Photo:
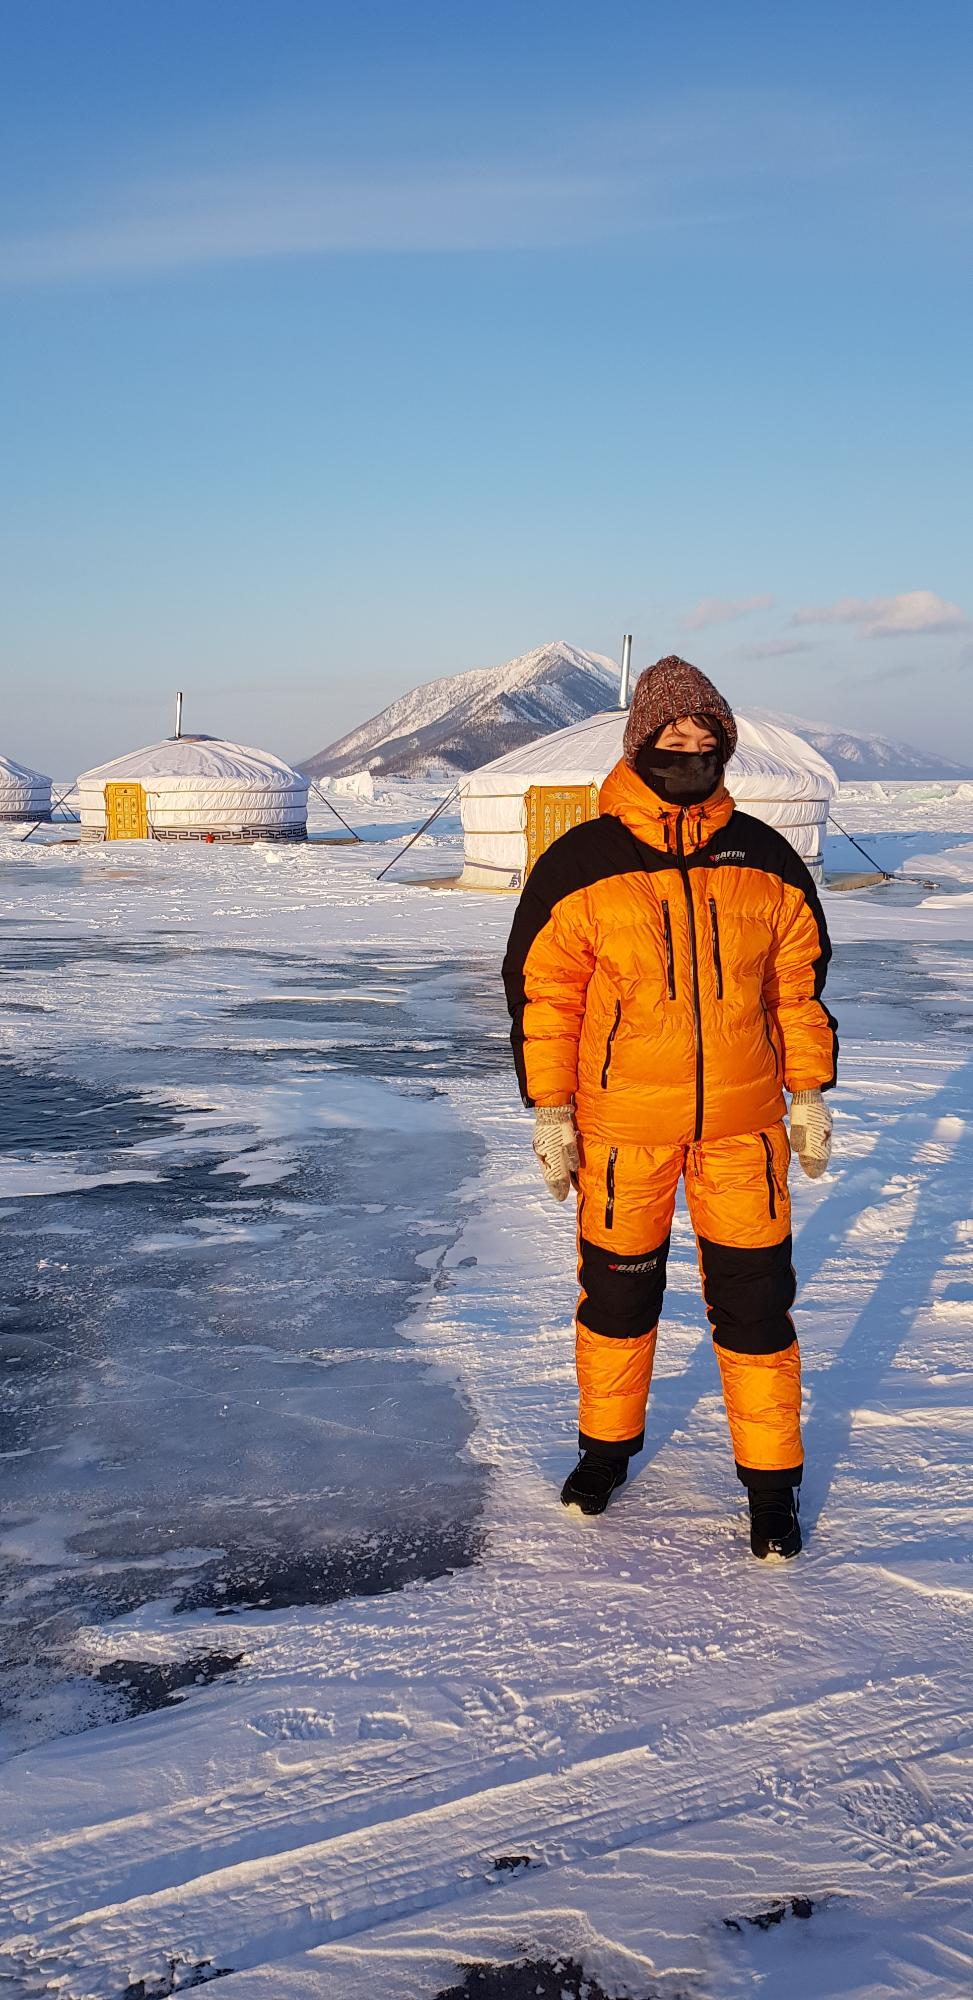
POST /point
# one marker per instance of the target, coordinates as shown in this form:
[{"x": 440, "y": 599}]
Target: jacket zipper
[
  {"x": 717, "y": 961},
  {"x": 612, "y": 1032},
  {"x": 610, "y": 1189},
  {"x": 770, "y": 1039},
  {"x": 670, "y": 955},
  {"x": 771, "y": 1183},
  {"x": 694, "y": 968}
]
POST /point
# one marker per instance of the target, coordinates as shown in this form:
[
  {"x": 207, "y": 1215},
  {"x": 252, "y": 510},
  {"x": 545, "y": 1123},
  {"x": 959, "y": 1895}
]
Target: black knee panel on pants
[
  {"x": 622, "y": 1295},
  {"x": 749, "y": 1294}
]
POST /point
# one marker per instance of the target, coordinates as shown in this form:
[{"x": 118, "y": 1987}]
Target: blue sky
[{"x": 347, "y": 345}]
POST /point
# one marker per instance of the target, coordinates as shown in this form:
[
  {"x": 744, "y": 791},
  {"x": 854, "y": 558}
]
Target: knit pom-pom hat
[{"x": 663, "y": 693}]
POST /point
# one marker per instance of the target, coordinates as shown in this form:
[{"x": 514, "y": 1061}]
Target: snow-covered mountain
[
  {"x": 853, "y": 755},
  {"x": 463, "y": 720}
]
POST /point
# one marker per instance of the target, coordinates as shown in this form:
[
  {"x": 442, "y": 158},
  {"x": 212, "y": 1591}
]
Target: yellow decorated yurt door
[
  {"x": 126, "y": 817},
  {"x": 551, "y": 809}
]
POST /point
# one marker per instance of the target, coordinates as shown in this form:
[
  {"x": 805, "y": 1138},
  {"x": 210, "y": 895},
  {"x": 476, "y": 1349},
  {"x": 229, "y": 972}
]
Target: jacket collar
[{"x": 627, "y": 798}]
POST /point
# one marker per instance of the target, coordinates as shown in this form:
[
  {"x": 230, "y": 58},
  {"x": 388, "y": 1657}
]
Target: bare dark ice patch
[{"x": 205, "y": 1398}]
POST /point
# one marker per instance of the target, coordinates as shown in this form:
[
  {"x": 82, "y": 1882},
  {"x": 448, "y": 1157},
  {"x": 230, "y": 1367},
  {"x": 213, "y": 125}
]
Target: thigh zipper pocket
[
  {"x": 610, "y": 1189},
  {"x": 771, "y": 1183}
]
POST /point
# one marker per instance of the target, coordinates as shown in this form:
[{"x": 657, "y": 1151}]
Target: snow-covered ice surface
[{"x": 287, "y": 1320}]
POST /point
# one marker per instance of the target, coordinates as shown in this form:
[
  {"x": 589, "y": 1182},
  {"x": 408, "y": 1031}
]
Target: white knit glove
[
  {"x": 556, "y": 1145},
  {"x": 811, "y": 1131}
]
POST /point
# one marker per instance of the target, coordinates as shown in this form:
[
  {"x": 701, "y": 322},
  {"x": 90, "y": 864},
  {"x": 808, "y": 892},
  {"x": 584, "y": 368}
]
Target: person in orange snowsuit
[{"x": 664, "y": 976}]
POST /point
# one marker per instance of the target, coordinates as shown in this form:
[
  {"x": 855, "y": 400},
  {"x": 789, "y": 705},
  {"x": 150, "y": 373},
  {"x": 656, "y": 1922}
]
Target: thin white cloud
[
  {"x": 774, "y": 649},
  {"x": 908, "y": 615},
  {"x": 720, "y": 610},
  {"x": 291, "y": 213},
  {"x": 636, "y": 177},
  {"x": 283, "y": 180}
]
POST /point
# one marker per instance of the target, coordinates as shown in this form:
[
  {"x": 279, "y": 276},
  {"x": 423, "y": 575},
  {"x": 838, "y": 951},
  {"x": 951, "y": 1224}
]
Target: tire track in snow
[
  {"x": 269, "y": 1907},
  {"x": 136, "y": 1852},
  {"x": 143, "y": 1852}
]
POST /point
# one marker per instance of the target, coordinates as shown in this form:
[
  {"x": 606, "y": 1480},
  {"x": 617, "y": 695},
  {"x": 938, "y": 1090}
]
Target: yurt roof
[
  {"x": 769, "y": 762},
  {"x": 185, "y": 762},
  {"x": 20, "y": 774}
]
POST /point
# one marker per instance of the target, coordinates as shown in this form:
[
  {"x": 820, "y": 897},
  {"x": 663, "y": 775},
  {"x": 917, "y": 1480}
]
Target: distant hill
[
  {"x": 855, "y": 756},
  {"x": 462, "y": 721}
]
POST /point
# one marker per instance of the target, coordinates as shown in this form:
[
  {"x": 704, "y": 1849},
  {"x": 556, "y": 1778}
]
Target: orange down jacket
[{"x": 665, "y": 968}]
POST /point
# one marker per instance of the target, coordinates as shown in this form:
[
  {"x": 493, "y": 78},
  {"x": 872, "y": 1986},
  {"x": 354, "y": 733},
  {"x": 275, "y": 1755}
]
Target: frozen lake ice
[{"x": 207, "y": 1398}]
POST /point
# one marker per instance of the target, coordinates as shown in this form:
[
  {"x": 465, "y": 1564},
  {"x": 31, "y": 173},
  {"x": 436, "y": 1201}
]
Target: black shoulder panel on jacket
[
  {"x": 750, "y": 843},
  {"x": 577, "y": 860}
]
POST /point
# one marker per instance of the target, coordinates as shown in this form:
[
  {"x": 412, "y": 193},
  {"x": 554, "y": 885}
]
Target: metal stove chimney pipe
[
  {"x": 623, "y": 685},
  {"x": 178, "y": 715}
]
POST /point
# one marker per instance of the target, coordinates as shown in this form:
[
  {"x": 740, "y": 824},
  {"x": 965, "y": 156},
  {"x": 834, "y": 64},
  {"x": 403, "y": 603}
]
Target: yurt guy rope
[
  {"x": 314, "y": 787},
  {"x": 420, "y": 829},
  {"x": 886, "y": 877},
  {"x": 59, "y": 801}
]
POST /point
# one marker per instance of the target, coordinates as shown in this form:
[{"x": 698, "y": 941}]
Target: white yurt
[
  {"x": 24, "y": 794},
  {"x": 513, "y": 808},
  {"x": 193, "y": 788}
]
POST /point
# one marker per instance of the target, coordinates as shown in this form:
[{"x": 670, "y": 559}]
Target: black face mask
[{"x": 680, "y": 777}]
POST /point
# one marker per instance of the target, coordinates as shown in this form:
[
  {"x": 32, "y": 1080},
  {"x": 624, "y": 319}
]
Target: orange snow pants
[{"x": 739, "y": 1206}]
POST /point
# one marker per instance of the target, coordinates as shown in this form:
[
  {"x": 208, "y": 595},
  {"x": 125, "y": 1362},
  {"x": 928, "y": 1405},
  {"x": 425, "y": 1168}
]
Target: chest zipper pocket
[
  {"x": 770, "y": 1040},
  {"x": 771, "y": 1182},
  {"x": 715, "y": 935},
  {"x": 609, "y": 1045},
  {"x": 670, "y": 954},
  {"x": 610, "y": 1189}
]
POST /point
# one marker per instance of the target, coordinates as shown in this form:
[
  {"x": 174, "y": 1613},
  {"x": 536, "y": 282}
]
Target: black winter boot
[
  {"x": 774, "y": 1526},
  {"x": 591, "y": 1485}
]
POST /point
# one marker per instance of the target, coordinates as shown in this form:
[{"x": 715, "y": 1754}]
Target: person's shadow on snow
[
  {"x": 902, "y": 1292},
  {"x": 905, "y": 1286}
]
